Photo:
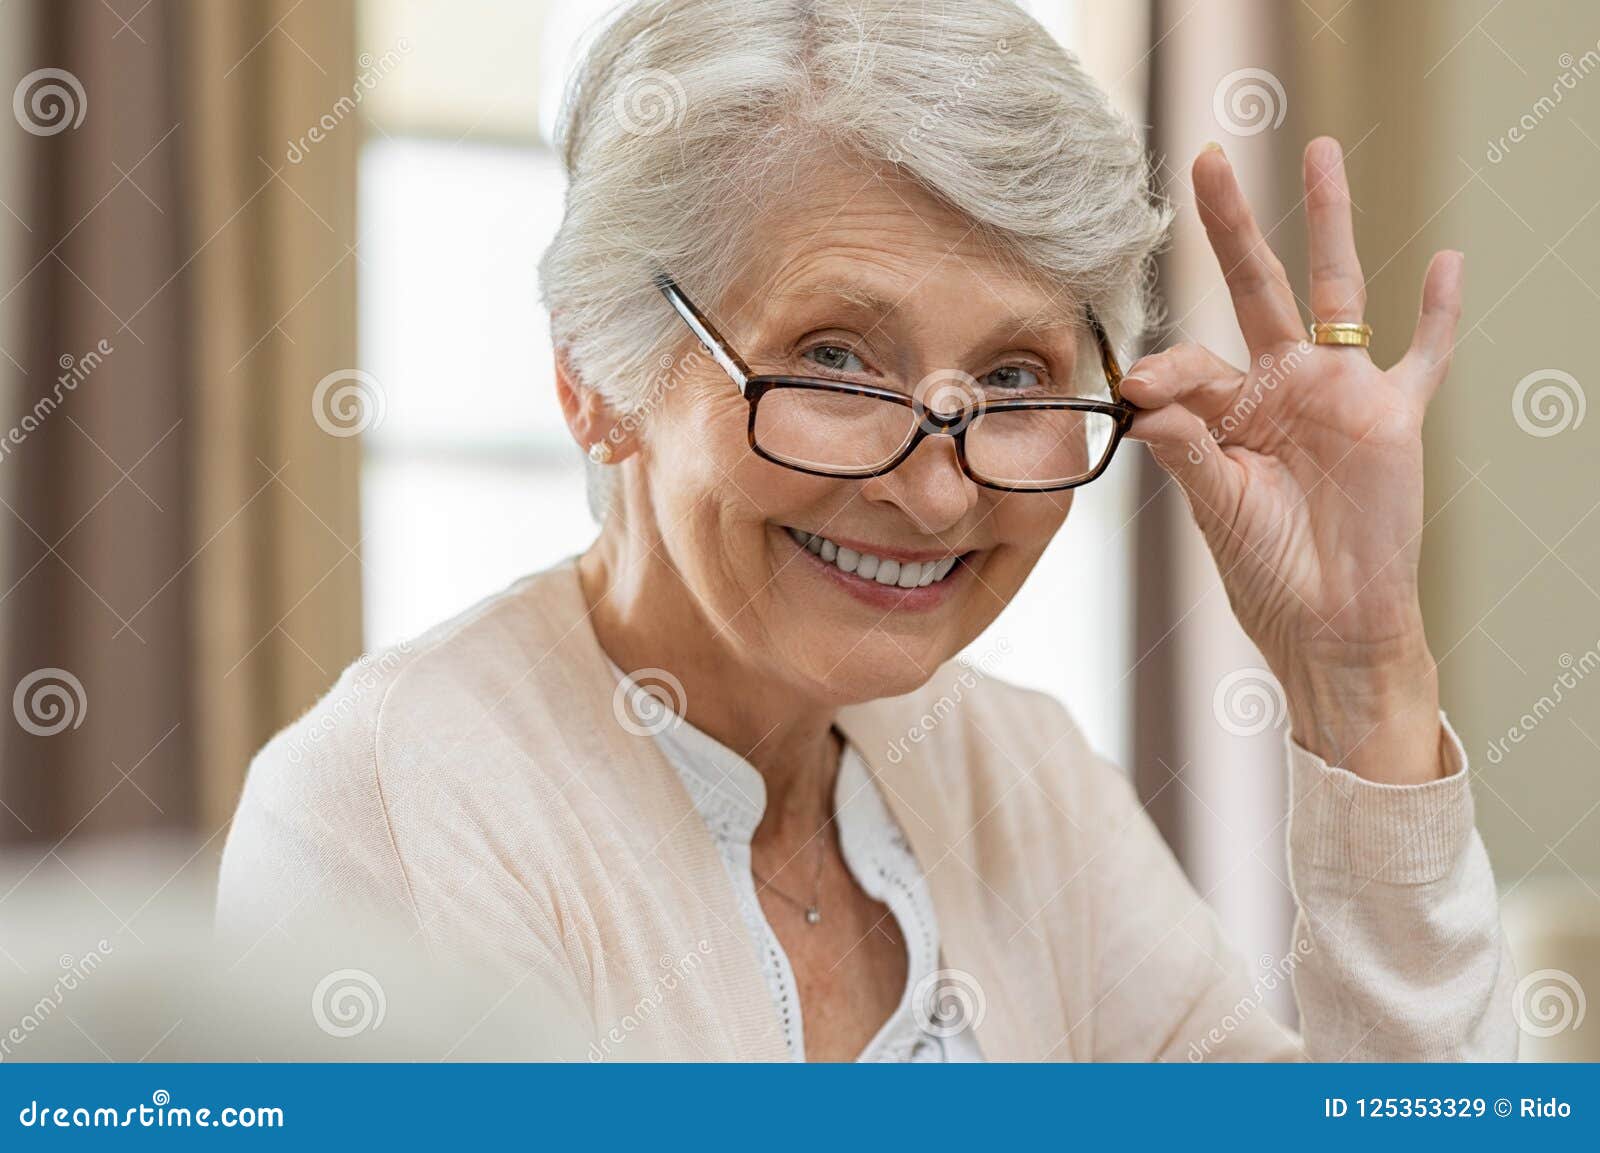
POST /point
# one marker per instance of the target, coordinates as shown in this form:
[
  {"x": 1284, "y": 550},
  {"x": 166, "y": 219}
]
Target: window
[{"x": 471, "y": 479}]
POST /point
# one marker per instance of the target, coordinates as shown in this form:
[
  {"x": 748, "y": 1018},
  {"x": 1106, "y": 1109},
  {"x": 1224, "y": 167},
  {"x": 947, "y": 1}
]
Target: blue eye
[
  {"x": 1013, "y": 378},
  {"x": 835, "y": 357}
]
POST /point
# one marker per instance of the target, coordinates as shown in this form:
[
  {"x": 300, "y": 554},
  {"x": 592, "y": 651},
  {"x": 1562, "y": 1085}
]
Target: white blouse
[{"x": 936, "y": 1013}]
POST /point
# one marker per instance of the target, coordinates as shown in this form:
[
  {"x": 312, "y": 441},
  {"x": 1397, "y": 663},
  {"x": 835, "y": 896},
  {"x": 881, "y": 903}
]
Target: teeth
[{"x": 901, "y": 574}]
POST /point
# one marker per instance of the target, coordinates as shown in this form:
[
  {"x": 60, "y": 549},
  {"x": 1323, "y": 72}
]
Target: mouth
[{"x": 886, "y": 578}]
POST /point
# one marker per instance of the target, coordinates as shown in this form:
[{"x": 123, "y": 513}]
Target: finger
[
  {"x": 1262, "y": 298},
  {"x": 1185, "y": 449},
  {"x": 1428, "y": 359},
  {"x": 1187, "y": 374},
  {"x": 1338, "y": 291}
]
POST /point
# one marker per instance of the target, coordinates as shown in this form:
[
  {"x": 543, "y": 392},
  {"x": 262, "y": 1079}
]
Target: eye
[
  {"x": 835, "y": 357},
  {"x": 1013, "y": 378}
]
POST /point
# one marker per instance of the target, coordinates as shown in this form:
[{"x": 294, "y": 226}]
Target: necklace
[{"x": 811, "y": 909}]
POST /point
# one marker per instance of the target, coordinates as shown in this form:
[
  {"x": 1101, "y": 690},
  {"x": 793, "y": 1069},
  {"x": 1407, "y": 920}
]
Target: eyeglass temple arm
[
  {"x": 1108, "y": 357},
  {"x": 710, "y": 338}
]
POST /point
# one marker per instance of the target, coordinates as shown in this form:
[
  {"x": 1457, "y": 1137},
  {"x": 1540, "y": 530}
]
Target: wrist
[{"x": 1378, "y": 719}]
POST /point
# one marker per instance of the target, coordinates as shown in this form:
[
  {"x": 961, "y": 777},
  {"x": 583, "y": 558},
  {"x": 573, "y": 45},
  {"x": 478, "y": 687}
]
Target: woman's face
[{"x": 869, "y": 279}]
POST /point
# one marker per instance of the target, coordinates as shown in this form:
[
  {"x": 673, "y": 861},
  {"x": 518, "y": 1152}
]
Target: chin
[{"x": 867, "y": 676}]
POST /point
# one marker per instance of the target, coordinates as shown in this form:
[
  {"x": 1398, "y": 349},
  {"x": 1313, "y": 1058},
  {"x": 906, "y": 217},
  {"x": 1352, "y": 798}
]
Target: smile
[
  {"x": 915, "y": 582},
  {"x": 868, "y": 566}
]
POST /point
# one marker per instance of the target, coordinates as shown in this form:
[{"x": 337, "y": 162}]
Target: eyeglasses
[{"x": 839, "y": 428}]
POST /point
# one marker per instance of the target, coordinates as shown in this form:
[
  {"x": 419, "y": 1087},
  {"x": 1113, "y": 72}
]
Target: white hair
[{"x": 685, "y": 115}]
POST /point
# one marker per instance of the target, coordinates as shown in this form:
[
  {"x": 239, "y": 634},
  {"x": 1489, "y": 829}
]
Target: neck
[{"x": 645, "y": 618}]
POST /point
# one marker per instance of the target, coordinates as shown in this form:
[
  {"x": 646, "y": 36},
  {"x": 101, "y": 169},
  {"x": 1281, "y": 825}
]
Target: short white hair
[{"x": 684, "y": 114}]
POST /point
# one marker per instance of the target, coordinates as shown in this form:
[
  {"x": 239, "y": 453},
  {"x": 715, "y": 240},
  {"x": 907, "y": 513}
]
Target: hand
[{"x": 1304, "y": 473}]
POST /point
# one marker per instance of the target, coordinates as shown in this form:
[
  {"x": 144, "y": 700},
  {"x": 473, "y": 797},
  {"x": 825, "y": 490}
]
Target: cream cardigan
[{"x": 474, "y": 788}]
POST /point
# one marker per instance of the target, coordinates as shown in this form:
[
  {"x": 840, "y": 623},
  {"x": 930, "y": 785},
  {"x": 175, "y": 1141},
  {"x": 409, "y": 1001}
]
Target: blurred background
[{"x": 275, "y": 390}]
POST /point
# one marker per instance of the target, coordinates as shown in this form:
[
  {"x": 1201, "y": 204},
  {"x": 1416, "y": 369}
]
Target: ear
[{"x": 590, "y": 416}]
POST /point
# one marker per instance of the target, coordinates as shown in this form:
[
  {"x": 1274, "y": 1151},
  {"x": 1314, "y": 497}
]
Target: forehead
[{"x": 878, "y": 240}]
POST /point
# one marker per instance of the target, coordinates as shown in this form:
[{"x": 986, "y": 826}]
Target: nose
[{"x": 928, "y": 486}]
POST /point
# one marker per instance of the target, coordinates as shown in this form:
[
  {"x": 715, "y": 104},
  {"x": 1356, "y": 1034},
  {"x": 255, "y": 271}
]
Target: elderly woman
[{"x": 835, "y": 299}]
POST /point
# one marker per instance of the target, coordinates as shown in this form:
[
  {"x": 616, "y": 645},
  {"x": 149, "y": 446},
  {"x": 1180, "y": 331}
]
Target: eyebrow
[{"x": 1012, "y": 324}]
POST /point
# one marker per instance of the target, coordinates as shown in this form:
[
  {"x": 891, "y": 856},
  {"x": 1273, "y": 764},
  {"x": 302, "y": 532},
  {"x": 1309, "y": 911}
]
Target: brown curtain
[{"x": 181, "y": 559}]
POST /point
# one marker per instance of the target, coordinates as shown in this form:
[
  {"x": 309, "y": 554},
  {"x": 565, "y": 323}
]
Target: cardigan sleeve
[
  {"x": 1398, "y": 918},
  {"x": 1397, "y": 952}
]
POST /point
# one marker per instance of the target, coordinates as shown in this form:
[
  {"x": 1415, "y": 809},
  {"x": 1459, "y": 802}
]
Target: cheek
[
  {"x": 1028, "y": 522},
  {"x": 694, "y": 444},
  {"x": 781, "y": 495},
  {"x": 712, "y": 494},
  {"x": 706, "y": 440}
]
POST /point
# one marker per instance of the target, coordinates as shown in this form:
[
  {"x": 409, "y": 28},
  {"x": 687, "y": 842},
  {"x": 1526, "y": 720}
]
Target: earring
[{"x": 600, "y": 452}]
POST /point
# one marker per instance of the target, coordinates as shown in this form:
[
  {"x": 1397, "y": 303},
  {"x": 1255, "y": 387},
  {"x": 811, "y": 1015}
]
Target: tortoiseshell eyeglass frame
[{"x": 930, "y": 422}]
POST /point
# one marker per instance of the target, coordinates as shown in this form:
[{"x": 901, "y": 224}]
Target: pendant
[{"x": 813, "y": 915}]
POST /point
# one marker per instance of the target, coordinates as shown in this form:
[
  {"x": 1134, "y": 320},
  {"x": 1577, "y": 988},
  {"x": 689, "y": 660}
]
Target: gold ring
[{"x": 1342, "y": 332}]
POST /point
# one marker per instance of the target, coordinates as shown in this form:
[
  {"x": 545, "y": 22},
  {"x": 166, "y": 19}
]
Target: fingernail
[{"x": 1212, "y": 146}]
